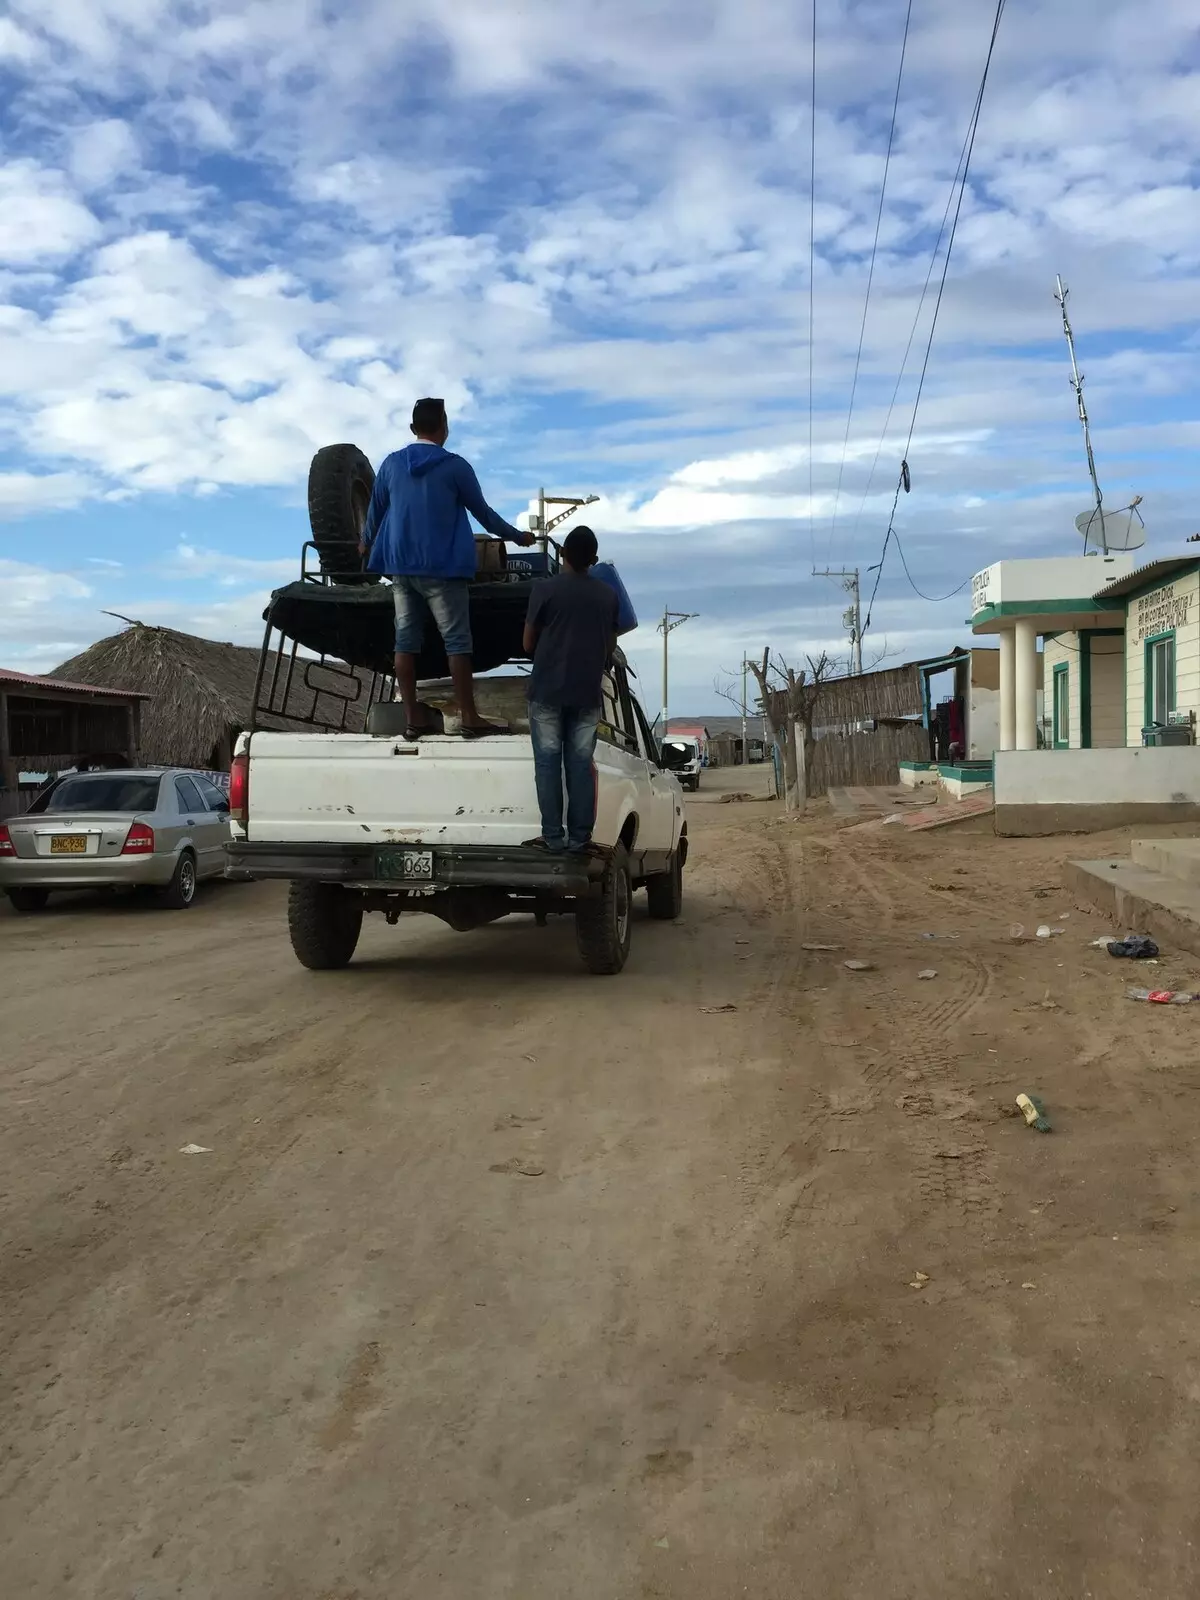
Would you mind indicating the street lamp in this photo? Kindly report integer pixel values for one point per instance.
(670, 621)
(570, 503)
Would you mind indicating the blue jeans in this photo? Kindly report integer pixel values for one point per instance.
(564, 741)
(449, 601)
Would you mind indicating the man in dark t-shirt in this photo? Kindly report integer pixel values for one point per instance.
(570, 632)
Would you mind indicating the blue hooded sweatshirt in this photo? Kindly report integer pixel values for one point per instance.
(417, 523)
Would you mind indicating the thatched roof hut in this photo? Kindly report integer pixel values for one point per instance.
(202, 691)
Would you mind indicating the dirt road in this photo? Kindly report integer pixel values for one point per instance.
(499, 1282)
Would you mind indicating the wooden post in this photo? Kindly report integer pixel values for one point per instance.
(131, 731)
(9, 775)
(797, 736)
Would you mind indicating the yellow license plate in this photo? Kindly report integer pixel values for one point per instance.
(68, 844)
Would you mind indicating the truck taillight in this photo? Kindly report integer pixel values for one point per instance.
(239, 790)
(139, 841)
(7, 847)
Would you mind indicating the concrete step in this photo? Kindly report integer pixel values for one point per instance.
(1138, 899)
(1177, 858)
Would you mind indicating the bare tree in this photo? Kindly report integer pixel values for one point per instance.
(788, 699)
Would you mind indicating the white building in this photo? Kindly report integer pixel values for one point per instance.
(1121, 654)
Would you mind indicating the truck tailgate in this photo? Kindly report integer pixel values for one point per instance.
(355, 788)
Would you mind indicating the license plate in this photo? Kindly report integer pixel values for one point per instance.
(411, 866)
(68, 844)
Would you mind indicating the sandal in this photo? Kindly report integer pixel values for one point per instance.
(480, 730)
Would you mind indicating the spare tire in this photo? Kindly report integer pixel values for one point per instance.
(340, 481)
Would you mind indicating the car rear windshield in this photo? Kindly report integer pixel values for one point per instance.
(100, 791)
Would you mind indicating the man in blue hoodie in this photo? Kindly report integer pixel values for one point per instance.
(417, 534)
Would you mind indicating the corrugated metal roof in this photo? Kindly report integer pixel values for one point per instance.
(11, 675)
(1140, 576)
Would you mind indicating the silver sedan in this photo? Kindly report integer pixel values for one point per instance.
(161, 829)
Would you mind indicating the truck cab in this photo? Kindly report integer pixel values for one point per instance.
(687, 763)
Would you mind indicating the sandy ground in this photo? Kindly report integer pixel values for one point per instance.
(351, 1354)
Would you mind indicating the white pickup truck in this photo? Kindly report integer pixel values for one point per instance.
(362, 822)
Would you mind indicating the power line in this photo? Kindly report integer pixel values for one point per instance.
(962, 189)
(862, 332)
(903, 481)
(935, 598)
(812, 254)
(912, 332)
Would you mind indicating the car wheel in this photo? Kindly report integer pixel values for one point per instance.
(324, 921)
(603, 925)
(181, 891)
(27, 901)
(664, 891)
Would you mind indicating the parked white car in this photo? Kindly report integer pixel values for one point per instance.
(362, 822)
(145, 828)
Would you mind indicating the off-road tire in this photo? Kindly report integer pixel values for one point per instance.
(28, 901)
(324, 921)
(664, 891)
(340, 481)
(603, 925)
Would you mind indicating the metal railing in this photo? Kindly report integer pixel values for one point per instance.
(324, 697)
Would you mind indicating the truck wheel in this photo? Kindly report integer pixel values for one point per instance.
(27, 900)
(324, 921)
(602, 926)
(664, 891)
(340, 481)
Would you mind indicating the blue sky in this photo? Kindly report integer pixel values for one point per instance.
(231, 233)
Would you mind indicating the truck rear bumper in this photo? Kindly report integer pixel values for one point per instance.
(520, 869)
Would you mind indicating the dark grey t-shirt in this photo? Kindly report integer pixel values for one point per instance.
(576, 619)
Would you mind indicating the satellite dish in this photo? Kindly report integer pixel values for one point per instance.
(1122, 530)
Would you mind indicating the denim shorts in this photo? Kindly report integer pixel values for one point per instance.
(449, 601)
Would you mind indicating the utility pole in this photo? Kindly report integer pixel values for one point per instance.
(670, 621)
(745, 743)
(571, 503)
(1060, 294)
(852, 616)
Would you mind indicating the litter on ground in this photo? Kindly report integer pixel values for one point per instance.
(1034, 1112)
(1134, 947)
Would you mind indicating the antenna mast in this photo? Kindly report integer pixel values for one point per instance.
(1060, 294)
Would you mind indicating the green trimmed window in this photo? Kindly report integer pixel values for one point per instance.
(1160, 678)
(1062, 707)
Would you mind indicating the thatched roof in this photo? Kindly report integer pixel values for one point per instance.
(202, 690)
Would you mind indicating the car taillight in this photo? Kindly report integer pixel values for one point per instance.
(139, 841)
(7, 847)
(239, 790)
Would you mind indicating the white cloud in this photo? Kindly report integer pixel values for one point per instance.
(101, 151)
(194, 562)
(40, 220)
(16, 45)
(24, 492)
(39, 611)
